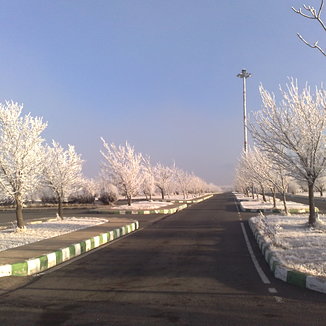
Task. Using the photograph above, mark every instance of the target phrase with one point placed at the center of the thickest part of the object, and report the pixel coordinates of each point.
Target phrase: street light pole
(244, 75)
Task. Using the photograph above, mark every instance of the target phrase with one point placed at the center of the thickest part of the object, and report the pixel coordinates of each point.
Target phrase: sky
(160, 74)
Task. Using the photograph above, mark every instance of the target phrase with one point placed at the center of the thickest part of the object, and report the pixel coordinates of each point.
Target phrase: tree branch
(313, 46)
(316, 15)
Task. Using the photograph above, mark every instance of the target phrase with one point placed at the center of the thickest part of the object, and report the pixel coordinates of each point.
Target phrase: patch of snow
(250, 203)
(143, 205)
(10, 238)
(295, 245)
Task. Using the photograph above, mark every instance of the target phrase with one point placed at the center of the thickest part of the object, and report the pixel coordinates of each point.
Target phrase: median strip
(291, 276)
(49, 260)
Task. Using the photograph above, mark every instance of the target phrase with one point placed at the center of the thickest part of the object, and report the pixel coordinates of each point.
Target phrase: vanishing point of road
(191, 268)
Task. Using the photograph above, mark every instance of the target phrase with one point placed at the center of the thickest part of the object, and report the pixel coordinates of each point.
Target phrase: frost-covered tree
(183, 180)
(124, 167)
(241, 182)
(312, 13)
(148, 185)
(294, 187)
(62, 172)
(84, 192)
(107, 192)
(260, 169)
(291, 133)
(197, 186)
(21, 154)
(320, 185)
(163, 176)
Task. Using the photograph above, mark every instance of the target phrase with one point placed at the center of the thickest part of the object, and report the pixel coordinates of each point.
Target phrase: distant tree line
(32, 170)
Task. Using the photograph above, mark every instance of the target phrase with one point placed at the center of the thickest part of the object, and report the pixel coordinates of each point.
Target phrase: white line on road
(260, 272)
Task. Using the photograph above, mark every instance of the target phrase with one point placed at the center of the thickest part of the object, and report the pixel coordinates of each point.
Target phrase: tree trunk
(60, 208)
(129, 200)
(263, 194)
(321, 193)
(284, 203)
(252, 191)
(19, 212)
(247, 192)
(162, 193)
(274, 197)
(312, 211)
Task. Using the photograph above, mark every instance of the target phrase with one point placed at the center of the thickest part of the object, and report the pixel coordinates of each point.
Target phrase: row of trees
(28, 165)
(133, 174)
(290, 145)
(290, 142)
(26, 162)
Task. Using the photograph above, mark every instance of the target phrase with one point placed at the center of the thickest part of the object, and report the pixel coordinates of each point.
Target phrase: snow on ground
(250, 203)
(170, 197)
(142, 205)
(269, 205)
(11, 238)
(296, 245)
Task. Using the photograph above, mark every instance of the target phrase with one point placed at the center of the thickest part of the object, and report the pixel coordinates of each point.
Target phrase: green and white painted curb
(190, 201)
(284, 273)
(46, 261)
(145, 212)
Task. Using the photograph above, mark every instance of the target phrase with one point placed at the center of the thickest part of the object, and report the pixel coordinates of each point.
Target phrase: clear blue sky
(158, 73)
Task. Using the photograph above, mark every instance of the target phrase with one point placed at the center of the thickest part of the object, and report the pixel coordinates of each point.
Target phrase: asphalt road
(192, 268)
(319, 202)
(8, 216)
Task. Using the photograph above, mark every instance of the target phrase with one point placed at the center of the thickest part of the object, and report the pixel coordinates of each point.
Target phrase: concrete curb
(284, 273)
(46, 261)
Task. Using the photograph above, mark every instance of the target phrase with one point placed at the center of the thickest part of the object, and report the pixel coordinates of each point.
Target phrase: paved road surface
(192, 268)
(9, 215)
(320, 203)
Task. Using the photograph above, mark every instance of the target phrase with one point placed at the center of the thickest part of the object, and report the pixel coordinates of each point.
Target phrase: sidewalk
(39, 256)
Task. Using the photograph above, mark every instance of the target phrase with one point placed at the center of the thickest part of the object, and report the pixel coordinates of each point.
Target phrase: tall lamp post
(244, 75)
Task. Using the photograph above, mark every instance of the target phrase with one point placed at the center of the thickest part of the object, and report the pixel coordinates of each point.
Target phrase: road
(192, 268)
(319, 202)
(8, 216)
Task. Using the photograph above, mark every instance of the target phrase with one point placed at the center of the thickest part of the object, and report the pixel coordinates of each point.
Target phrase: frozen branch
(313, 46)
(312, 13)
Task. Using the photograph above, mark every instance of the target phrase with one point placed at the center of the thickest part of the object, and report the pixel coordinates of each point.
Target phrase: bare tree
(62, 171)
(314, 14)
(292, 134)
(124, 166)
(21, 154)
